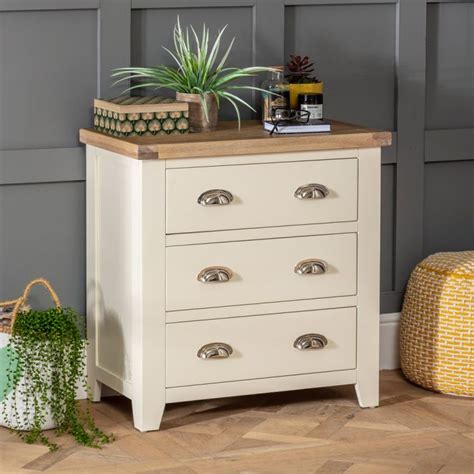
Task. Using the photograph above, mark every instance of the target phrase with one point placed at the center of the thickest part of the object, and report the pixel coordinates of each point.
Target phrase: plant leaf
(234, 97)
(237, 111)
(196, 71)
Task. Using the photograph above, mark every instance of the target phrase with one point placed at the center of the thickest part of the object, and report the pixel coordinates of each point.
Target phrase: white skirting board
(389, 352)
(389, 341)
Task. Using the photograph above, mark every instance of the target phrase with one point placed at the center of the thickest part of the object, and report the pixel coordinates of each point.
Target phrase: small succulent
(300, 70)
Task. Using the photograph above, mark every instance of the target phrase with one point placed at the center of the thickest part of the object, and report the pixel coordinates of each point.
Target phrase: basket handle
(22, 299)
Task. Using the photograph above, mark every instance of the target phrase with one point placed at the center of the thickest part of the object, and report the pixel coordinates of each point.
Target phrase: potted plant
(42, 365)
(199, 77)
(301, 78)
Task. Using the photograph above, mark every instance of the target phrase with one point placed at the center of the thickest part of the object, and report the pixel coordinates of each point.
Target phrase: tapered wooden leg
(96, 388)
(368, 392)
(368, 310)
(149, 328)
(147, 418)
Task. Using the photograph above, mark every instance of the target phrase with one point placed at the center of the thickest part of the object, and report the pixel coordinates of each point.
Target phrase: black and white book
(293, 126)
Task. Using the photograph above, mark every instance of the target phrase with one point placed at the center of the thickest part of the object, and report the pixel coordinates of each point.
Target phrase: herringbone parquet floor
(313, 431)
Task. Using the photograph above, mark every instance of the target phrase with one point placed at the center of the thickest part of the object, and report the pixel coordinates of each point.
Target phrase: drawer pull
(215, 350)
(215, 197)
(308, 342)
(215, 275)
(311, 267)
(312, 191)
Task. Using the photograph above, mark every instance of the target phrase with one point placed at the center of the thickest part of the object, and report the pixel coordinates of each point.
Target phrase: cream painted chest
(232, 263)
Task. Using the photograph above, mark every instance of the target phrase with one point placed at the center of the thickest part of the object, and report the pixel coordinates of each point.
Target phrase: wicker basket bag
(437, 324)
(8, 313)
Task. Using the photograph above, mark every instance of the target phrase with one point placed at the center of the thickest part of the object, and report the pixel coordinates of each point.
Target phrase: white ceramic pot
(8, 419)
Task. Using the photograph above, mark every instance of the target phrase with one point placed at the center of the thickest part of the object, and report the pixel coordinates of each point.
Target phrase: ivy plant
(47, 369)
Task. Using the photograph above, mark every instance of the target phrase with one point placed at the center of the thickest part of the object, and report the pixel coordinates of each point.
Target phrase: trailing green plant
(198, 71)
(47, 369)
(300, 70)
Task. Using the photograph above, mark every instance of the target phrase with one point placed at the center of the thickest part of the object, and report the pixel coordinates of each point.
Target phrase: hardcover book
(293, 126)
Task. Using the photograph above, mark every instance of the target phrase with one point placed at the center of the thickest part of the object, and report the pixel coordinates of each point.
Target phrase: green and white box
(141, 116)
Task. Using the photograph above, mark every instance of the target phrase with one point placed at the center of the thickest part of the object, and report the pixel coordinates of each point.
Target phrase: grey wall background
(401, 65)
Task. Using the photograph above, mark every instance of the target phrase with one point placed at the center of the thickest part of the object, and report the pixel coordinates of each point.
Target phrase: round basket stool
(437, 324)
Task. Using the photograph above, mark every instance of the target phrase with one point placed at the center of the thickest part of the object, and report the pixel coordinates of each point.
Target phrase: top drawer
(261, 195)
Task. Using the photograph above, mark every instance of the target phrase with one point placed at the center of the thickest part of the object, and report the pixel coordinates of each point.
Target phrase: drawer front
(262, 195)
(262, 346)
(260, 271)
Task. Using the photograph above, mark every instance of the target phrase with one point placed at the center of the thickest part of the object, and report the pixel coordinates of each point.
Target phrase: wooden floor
(312, 431)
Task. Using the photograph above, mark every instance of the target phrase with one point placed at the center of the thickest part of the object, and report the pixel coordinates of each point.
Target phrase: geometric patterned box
(141, 116)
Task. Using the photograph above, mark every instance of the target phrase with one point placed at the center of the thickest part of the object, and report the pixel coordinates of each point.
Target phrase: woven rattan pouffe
(437, 324)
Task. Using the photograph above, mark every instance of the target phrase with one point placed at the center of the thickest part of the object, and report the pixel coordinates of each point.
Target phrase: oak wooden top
(228, 140)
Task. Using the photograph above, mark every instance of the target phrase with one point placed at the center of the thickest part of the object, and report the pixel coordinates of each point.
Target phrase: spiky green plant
(198, 69)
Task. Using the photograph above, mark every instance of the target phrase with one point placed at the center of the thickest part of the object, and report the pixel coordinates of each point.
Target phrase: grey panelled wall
(403, 65)
(449, 151)
(55, 57)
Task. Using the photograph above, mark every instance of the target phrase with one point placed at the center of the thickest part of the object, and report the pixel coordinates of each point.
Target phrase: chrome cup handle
(311, 341)
(312, 191)
(215, 275)
(215, 197)
(215, 350)
(312, 266)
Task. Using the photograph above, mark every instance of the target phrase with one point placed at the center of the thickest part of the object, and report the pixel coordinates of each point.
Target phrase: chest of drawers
(232, 263)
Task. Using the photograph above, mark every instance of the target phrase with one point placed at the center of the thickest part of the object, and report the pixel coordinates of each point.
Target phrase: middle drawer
(260, 271)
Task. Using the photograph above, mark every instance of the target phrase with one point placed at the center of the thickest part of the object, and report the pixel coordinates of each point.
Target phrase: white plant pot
(8, 419)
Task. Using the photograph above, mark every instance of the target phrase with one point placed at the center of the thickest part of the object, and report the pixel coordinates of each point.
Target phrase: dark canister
(313, 103)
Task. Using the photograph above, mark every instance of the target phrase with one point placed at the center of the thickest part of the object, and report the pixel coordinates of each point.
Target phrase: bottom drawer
(260, 346)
